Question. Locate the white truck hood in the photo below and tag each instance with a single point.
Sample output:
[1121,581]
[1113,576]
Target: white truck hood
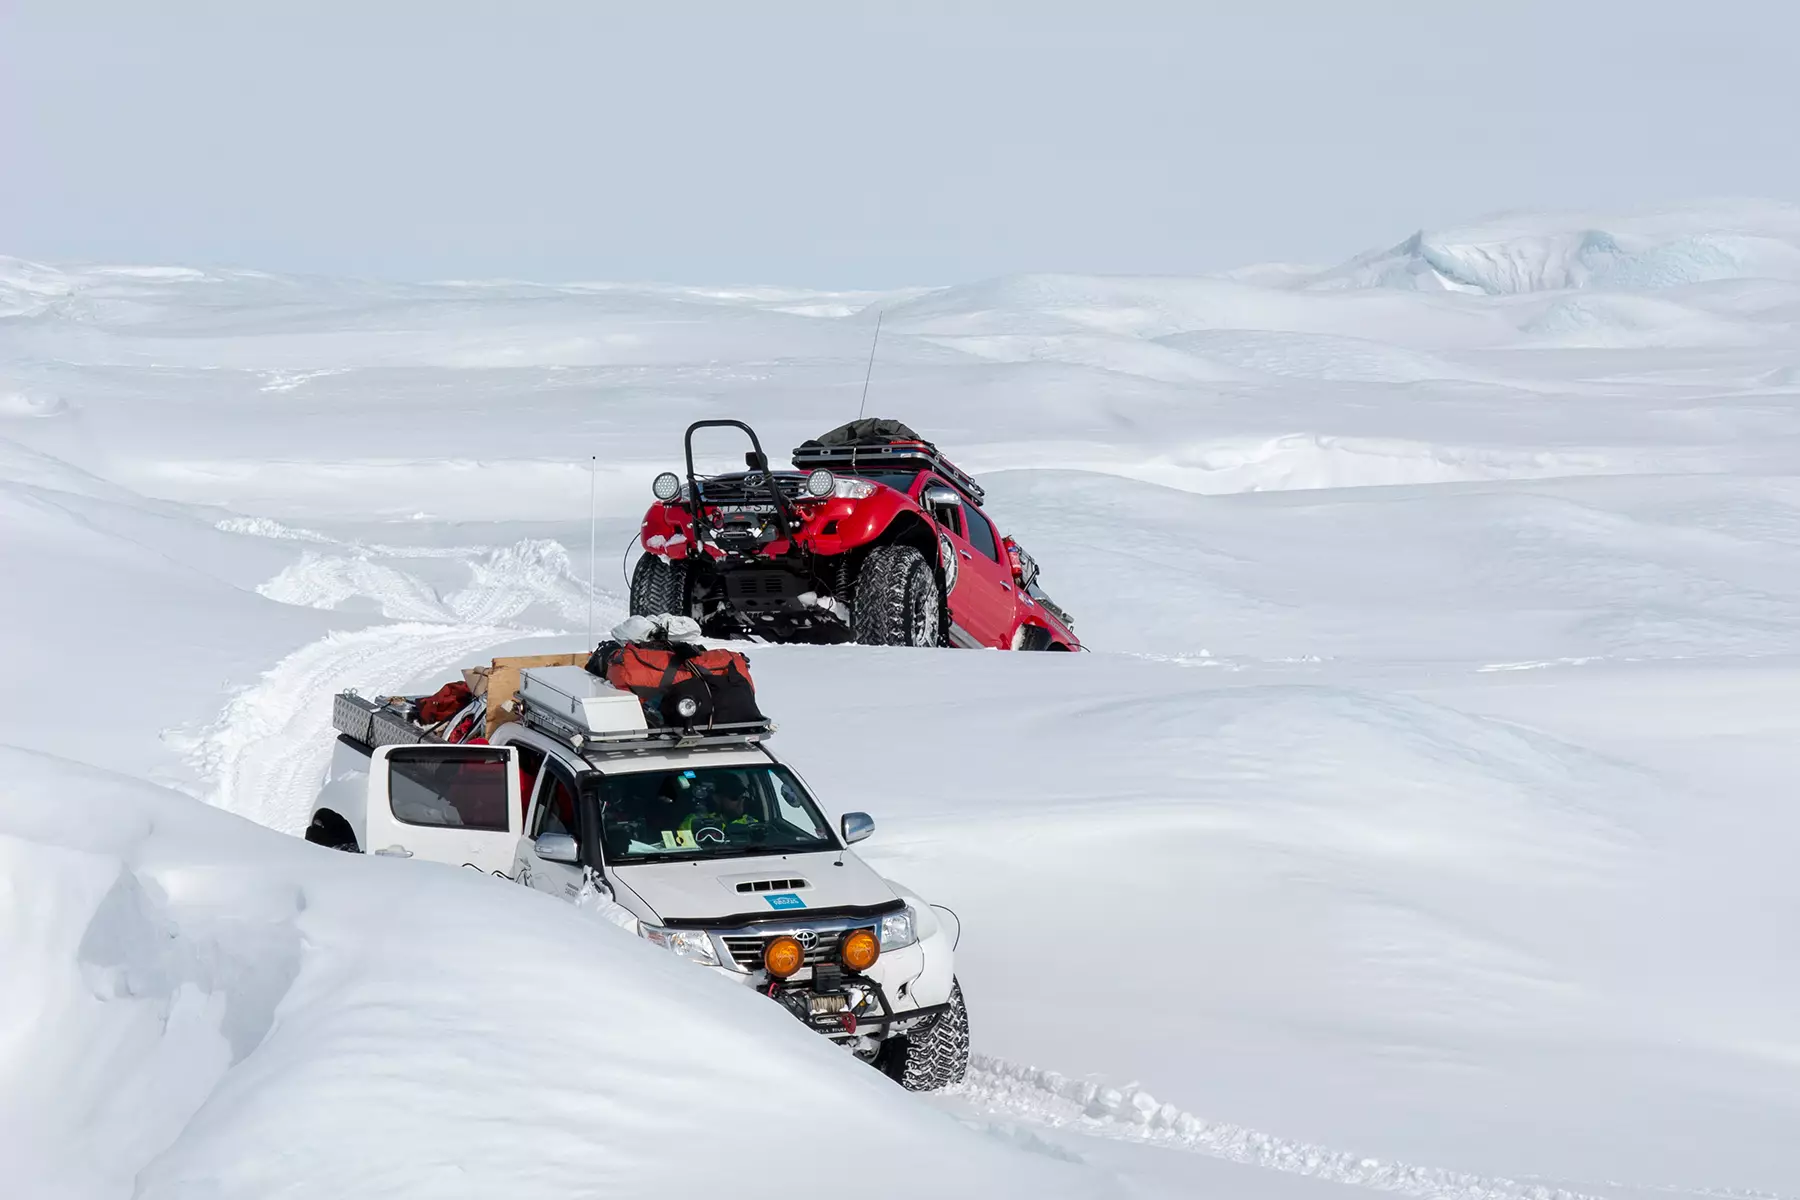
[777,884]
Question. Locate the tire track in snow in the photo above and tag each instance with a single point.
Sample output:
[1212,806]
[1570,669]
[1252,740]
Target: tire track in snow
[996,1088]
[266,754]
[537,571]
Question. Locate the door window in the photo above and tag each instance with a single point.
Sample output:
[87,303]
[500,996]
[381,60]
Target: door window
[981,534]
[531,762]
[462,790]
[947,515]
[556,805]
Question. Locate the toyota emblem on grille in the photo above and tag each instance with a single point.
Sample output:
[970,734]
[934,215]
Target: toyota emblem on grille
[808,939]
[753,480]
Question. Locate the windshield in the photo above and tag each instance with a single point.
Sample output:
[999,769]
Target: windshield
[900,481]
[708,812]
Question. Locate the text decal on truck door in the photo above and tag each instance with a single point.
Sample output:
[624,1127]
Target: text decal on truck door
[785,900]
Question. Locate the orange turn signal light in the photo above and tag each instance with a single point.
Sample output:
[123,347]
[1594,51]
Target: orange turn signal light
[861,949]
[783,957]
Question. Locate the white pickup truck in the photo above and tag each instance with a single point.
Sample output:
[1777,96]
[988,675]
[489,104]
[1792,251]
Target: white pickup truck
[714,848]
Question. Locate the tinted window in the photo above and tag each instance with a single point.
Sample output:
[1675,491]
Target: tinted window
[709,812]
[900,481]
[530,763]
[947,515]
[556,805]
[981,534]
[464,789]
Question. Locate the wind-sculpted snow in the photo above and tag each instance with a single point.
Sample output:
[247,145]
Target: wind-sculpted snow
[1535,253]
[1425,797]
[198,1007]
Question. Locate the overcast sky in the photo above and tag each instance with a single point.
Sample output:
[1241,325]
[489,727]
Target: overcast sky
[860,145]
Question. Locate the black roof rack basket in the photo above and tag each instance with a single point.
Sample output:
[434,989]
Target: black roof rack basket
[891,455]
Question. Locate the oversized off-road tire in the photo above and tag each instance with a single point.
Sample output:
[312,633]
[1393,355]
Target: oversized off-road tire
[332,832]
[937,1056]
[897,602]
[658,587]
[1035,637]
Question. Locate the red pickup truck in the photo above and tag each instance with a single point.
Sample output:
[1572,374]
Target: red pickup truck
[874,537]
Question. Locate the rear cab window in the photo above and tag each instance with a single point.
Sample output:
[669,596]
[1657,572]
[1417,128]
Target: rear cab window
[467,790]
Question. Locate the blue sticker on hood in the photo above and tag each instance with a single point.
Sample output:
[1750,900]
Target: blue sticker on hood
[785,900]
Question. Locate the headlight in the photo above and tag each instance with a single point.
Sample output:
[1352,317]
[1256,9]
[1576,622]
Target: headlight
[692,944]
[665,487]
[897,930]
[853,489]
[820,484]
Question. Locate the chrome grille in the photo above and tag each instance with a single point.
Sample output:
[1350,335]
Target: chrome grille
[747,949]
[732,489]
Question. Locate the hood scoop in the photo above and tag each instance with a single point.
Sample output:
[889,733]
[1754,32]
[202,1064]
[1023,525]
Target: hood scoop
[759,886]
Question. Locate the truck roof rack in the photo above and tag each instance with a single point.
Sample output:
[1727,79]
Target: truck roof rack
[561,701]
[593,716]
[641,741]
[877,456]
[383,723]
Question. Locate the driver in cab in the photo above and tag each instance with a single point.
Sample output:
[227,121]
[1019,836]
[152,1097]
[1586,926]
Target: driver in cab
[718,808]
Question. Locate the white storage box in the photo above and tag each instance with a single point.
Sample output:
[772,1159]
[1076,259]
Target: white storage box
[586,701]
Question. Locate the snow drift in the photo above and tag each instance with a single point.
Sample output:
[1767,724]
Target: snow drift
[225,1011]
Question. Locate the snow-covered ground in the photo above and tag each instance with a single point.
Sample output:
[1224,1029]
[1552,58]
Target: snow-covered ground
[1421,822]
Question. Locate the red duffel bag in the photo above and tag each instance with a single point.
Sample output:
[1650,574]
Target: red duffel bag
[444,703]
[663,674]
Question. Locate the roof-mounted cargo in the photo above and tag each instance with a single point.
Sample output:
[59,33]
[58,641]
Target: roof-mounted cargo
[595,717]
[561,700]
[877,444]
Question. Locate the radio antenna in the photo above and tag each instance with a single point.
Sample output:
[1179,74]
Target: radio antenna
[593,477]
[871,370]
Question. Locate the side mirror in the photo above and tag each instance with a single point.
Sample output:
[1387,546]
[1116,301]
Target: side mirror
[856,827]
[755,461]
[557,848]
[939,496]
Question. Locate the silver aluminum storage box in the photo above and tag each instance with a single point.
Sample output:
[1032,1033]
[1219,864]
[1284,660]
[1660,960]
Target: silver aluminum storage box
[582,699]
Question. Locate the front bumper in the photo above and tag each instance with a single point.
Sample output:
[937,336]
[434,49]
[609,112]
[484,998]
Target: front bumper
[855,1009]
[871,1006]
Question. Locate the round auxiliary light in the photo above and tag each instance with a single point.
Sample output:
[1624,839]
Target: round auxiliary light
[666,487]
[861,949]
[820,483]
[783,957]
[687,706]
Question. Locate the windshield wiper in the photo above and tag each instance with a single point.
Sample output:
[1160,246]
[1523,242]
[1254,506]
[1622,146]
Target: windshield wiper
[728,852]
[753,851]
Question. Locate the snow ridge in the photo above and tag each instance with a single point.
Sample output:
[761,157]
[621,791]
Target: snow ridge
[1515,255]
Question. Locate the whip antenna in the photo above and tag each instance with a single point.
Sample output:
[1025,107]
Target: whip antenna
[593,477]
[871,370]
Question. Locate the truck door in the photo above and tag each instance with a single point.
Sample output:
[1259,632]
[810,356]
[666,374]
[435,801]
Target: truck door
[554,809]
[448,804]
[982,602]
[972,608]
